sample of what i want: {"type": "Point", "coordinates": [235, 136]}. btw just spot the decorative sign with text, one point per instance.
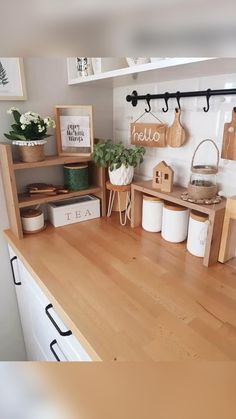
{"type": "Point", "coordinates": [75, 131]}
{"type": "Point", "coordinates": [148, 135]}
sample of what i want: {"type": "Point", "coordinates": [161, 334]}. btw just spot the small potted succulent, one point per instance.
{"type": "Point", "coordinates": [29, 132]}
{"type": "Point", "coordinates": [120, 160]}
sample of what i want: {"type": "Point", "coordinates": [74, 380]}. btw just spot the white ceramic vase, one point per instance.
{"type": "Point", "coordinates": [122, 176]}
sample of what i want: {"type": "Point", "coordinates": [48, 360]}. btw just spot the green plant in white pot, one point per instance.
{"type": "Point", "coordinates": [29, 132]}
{"type": "Point", "coordinates": [120, 160]}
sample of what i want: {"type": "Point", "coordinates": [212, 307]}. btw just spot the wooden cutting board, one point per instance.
{"type": "Point", "coordinates": [229, 139]}
{"type": "Point", "coordinates": [176, 135]}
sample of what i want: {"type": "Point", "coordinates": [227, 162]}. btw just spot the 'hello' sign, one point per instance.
{"type": "Point", "coordinates": [148, 135]}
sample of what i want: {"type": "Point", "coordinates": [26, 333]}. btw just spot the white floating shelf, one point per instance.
{"type": "Point", "coordinates": [118, 73]}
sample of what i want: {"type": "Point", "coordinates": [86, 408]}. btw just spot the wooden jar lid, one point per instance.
{"type": "Point", "coordinates": [151, 198]}
{"type": "Point", "coordinates": [75, 166]}
{"type": "Point", "coordinates": [198, 216]}
{"type": "Point", "coordinates": [174, 207]}
{"type": "Point", "coordinates": [31, 213]}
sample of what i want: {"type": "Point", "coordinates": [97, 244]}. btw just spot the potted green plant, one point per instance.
{"type": "Point", "coordinates": [29, 132]}
{"type": "Point", "coordinates": [120, 160]}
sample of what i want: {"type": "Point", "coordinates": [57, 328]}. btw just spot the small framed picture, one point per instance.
{"type": "Point", "coordinates": [12, 79]}
{"type": "Point", "coordinates": [74, 130]}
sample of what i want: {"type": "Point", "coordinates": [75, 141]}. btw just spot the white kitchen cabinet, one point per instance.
{"type": "Point", "coordinates": [46, 337]}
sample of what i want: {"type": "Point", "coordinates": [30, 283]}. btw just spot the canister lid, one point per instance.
{"type": "Point", "coordinates": [174, 207]}
{"type": "Point", "coordinates": [75, 166]}
{"type": "Point", "coordinates": [151, 198]}
{"type": "Point", "coordinates": [198, 216]}
{"type": "Point", "coordinates": [31, 213]}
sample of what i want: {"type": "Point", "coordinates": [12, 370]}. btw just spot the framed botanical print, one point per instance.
{"type": "Point", "coordinates": [12, 79]}
{"type": "Point", "coordinates": [74, 129]}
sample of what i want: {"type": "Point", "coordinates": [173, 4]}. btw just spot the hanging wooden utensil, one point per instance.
{"type": "Point", "coordinates": [176, 135]}
{"type": "Point", "coordinates": [229, 139]}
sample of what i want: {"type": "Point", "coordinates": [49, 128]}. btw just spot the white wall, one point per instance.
{"type": "Point", "coordinates": [47, 86]}
{"type": "Point", "coordinates": [200, 125]}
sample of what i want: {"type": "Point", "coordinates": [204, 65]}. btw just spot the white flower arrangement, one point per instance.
{"type": "Point", "coordinates": [10, 111]}
{"type": "Point", "coordinates": [29, 126]}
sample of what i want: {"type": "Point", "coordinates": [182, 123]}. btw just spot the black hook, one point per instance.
{"type": "Point", "coordinates": [178, 100]}
{"type": "Point", "coordinates": [148, 102]}
{"type": "Point", "coordinates": [166, 98]}
{"type": "Point", "coordinates": [208, 95]}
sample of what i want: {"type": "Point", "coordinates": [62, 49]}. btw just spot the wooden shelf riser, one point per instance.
{"type": "Point", "coordinates": [10, 189]}
{"type": "Point", "coordinates": [26, 201]}
{"type": "Point", "coordinates": [15, 202]}
{"type": "Point", "coordinates": [215, 212]}
{"type": "Point", "coordinates": [50, 161]}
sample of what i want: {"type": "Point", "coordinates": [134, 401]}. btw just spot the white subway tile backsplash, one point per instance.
{"type": "Point", "coordinates": [199, 125]}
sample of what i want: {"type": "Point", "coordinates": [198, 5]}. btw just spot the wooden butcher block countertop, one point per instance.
{"type": "Point", "coordinates": [130, 295]}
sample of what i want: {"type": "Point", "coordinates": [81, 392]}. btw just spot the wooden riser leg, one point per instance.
{"type": "Point", "coordinates": [136, 207]}
{"type": "Point", "coordinates": [214, 237]}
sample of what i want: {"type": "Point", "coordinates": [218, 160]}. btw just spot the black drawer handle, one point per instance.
{"type": "Point", "coordinates": [13, 272]}
{"type": "Point", "coordinates": [53, 350]}
{"type": "Point", "coordinates": [67, 333]}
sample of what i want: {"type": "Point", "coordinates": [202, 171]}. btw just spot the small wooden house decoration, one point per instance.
{"type": "Point", "coordinates": [163, 177]}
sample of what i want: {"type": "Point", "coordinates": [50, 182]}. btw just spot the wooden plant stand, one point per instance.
{"type": "Point", "coordinates": [215, 212]}
{"type": "Point", "coordinates": [116, 189]}
{"type": "Point", "coordinates": [228, 240]}
{"type": "Point", "coordinates": [17, 201]}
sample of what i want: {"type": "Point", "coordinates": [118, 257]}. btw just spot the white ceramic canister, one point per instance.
{"type": "Point", "coordinates": [32, 220]}
{"type": "Point", "coordinates": [152, 213]}
{"type": "Point", "coordinates": [197, 233]}
{"type": "Point", "coordinates": [174, 222]}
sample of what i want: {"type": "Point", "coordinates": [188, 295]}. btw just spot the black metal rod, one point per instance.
{"type": "Point", "coordinates": [134, 97]}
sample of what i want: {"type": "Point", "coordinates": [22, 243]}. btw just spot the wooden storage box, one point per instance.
{"type": "Point", "coordinates": [75, 210]}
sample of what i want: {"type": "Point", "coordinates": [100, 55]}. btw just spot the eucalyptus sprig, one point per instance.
{"type": "Point", "coordinates": [108, 154]}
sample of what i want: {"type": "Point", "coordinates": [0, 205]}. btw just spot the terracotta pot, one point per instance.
{"type": "Point", "coordinates": [31, 154]}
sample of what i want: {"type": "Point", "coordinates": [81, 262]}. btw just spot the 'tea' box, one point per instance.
{"type": "Point", "coordinates": [74, 210]}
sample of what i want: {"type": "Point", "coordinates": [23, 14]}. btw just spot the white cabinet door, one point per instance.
{"type": "Point", "coordinates": [22, 299]}
{"type": "Point", "coordinates": [47, 338]}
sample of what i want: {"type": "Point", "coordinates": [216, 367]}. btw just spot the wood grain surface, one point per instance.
{"type": "Point", "coordinates": [129, 295]}
{"type": "Point", "coordinates": [229, 139]}
{"type": "Point", "coordinates": [175, 134]}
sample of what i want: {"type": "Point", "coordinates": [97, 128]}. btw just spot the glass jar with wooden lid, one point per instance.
{"type": "Point", "coordinates": [32, 220]}
{"type": "Point", "coordinates": [202, 183]}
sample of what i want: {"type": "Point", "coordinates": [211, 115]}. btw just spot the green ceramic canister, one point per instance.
{"type": "Point", "coordinates": [76, 176]}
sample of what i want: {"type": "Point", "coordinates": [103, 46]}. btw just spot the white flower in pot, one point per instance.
{"type": "Point", "coordinates": [29, 132]}
{"type": "Point", "coordinates": [120, 161]}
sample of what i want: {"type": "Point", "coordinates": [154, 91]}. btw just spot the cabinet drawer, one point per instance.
{"type": "Point", "coordinates": [46, 335]}
{"type": "Point", "coordinates": [48, 325]}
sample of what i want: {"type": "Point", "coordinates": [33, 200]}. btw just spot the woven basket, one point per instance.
{"type": "Point", "coordinates": [203, 191]}
{"type": "Point", "coordinates": [31, 154]}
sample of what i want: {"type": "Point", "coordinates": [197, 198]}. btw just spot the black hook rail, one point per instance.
{"type": "Point", "coordinates": [134, 97]}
